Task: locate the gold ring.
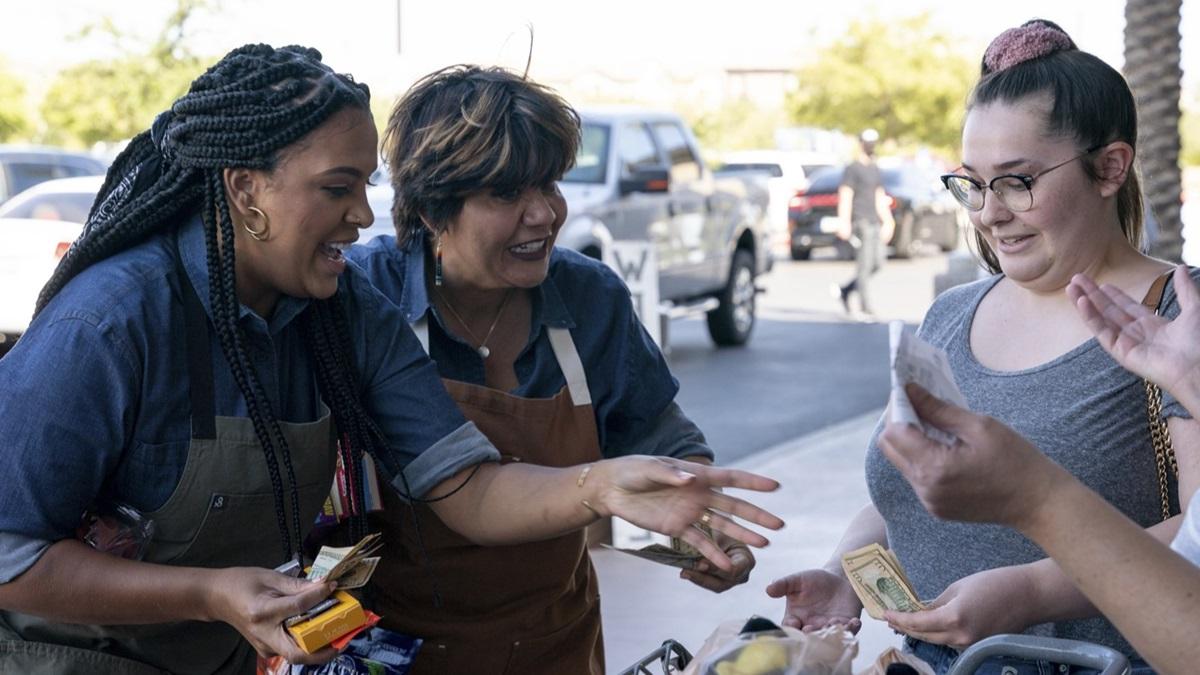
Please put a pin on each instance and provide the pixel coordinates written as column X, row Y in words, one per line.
column 706, row 518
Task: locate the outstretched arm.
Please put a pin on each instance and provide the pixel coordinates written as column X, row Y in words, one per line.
column 513, row 503
column 820, row 597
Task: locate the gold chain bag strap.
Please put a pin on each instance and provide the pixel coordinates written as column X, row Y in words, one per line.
column 1160, row 435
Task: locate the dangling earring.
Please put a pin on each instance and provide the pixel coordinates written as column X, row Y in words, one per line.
column 437, row 262
column 263, row 233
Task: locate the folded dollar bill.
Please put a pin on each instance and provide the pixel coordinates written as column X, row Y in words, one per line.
column 679, row 554
column 350, row 566
column 917, row 361
column 879, row 581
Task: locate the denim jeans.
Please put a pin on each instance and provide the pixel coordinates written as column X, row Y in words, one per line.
column 941, row 658
column 869, row 257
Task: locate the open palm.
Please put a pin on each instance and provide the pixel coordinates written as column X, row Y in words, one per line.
column 817, row 598
column 670, row 496
column 1163, row 351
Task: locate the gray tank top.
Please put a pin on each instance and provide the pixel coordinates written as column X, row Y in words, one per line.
column 1082, row 409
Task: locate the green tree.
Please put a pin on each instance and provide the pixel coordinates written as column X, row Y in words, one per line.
column 901, row 77
column 736, row 125
column 14, row 119
column 1189, row 131
column 111, row 100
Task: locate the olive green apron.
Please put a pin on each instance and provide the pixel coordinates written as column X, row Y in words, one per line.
column 221, row 514
column 531, row 608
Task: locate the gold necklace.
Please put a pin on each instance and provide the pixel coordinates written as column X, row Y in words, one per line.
column 482, row 349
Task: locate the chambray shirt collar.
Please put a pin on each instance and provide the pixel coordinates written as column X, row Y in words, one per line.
column 548, row 306
column 194, row 255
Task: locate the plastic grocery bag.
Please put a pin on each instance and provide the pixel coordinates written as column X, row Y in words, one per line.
column 760, row 647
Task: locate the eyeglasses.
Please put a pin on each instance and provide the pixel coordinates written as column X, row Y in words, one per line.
column 1014, row 190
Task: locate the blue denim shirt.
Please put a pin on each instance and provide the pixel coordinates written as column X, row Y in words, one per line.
column 631, row 386
column 94, row 398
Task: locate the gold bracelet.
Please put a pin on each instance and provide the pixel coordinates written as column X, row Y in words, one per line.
column 583, row 476
column 579, row 483
column 587, row 505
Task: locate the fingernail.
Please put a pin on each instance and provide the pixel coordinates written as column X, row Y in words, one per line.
column 687, row 475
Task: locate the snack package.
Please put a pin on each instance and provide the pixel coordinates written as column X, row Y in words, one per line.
column 119, row 530
column 373, row 652
column 329, row 620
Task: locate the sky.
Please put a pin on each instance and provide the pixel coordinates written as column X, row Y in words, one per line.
column 617, row 39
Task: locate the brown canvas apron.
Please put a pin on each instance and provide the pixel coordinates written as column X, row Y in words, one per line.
column 221, row 514
column 531, row 608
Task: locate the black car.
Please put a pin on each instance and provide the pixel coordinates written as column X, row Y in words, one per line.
column 23, row 167
column 925, row 213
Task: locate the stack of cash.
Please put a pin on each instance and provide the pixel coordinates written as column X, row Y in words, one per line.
column 880, row 581
column 351, row 566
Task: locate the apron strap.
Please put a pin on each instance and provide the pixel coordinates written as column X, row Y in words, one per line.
column 571, row 365
column 564, row 351
column 199, row 360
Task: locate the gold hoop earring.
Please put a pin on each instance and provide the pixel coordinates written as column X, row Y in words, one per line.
column 263, row 233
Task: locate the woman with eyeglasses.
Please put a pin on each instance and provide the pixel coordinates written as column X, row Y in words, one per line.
column 1048, row 179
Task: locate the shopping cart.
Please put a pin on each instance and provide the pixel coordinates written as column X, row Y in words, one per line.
column 671, row 657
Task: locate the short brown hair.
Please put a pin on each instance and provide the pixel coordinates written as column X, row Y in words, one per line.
column 465, row 129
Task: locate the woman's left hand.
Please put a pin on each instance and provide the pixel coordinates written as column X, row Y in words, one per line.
column 670, row 496
column 975, row 607
column 719, row 581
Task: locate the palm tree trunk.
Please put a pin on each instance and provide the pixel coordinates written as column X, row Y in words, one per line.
column 1152, row 56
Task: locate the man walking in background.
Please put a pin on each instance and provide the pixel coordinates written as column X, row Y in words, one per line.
column 864, row 214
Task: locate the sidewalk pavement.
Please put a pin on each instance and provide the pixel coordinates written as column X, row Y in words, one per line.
column 823, row 488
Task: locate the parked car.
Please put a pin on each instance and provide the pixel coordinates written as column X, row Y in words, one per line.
column 23, row 167
column 68, row 199
column 925, row 213
column 29, row 252
column 639, row 175
column 786, row 173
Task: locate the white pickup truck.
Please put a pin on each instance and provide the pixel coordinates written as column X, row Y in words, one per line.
column 639, row 176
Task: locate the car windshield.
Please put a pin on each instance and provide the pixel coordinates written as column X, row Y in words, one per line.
column 826, row 181
column 591, row 160
column 69, row 206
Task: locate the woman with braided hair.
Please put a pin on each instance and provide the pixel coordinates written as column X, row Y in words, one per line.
column 1048, row 180
column 195, row 356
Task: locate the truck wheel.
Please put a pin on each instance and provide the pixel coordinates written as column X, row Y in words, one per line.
column 730, row 323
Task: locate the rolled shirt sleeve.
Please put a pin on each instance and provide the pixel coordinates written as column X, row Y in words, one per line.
column 429, row 439
column 66, row 407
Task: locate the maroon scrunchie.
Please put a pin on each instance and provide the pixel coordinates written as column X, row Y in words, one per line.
column 1032, row 40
